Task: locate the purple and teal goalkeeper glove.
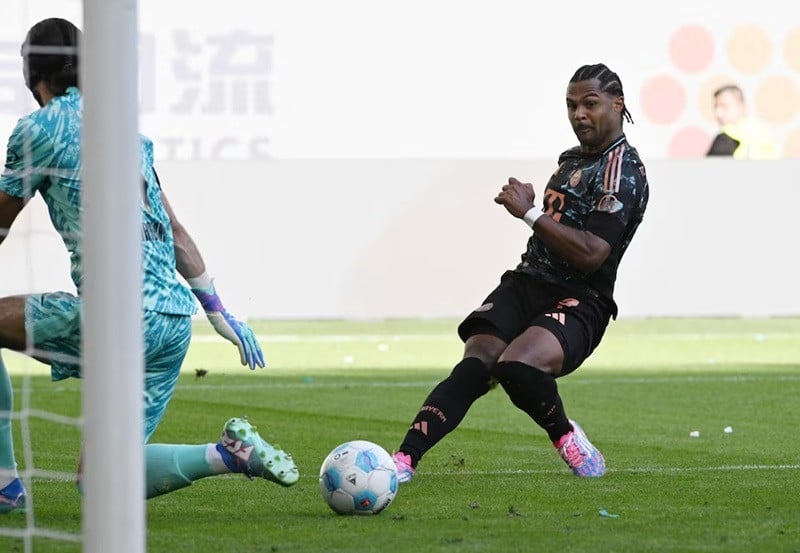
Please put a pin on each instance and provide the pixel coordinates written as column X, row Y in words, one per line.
column 229, row 327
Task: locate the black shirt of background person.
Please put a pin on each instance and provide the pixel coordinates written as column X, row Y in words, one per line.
column 723, row 145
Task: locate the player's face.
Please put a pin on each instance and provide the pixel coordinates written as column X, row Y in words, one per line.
column 728, row 108
column 596, row 117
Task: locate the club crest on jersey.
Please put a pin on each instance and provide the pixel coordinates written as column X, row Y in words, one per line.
column 575, row 178
column 609, row 203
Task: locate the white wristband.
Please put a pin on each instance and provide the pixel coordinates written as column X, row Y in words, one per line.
column 203, row 281
column 532, row 215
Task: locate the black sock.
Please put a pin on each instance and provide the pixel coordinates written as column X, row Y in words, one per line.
column 445, row 407
column 536, row 393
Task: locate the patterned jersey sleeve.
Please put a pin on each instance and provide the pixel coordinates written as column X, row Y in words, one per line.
column 28, row 158
column 618, row 195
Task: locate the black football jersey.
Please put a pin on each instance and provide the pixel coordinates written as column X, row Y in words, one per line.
column 605, row 194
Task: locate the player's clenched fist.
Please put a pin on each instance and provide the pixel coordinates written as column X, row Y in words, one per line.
column 517, row 197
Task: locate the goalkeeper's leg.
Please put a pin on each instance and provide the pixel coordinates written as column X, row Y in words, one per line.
column 240, row 449
column 170, row 467
column 12, row 493
column 12, row 335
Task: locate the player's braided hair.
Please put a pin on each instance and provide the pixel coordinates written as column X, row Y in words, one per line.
column 50, row 54
column 610, row 82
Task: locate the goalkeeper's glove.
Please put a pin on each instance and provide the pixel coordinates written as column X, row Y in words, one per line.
column 226, row 325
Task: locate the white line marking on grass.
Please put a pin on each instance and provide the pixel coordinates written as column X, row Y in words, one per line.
column 757, row 336
column 426, row 383
column 336, row 338
column 723, row 468
column 452, row 336
column 629, row 470
column 689, row 379
column 337, row 385
column 54, row 476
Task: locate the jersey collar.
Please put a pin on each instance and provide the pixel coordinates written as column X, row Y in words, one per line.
column 614, row 144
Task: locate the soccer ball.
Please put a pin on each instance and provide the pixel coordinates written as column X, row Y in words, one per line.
column 358, row 478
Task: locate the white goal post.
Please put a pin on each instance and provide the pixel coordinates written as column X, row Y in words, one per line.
column 113, row 453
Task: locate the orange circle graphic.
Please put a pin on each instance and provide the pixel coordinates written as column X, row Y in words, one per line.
column 690, row 142
column 663, row 99
column 791, row 146
column 777, row 99
column 791, row 49
column 691, row 48
column 749, row 49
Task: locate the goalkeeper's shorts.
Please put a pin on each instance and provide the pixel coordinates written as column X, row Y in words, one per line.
column 53, row 321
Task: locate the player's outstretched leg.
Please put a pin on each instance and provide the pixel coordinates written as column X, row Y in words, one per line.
column 243, row 450
column 578, row 452
column 171, row 467
column 441, row 412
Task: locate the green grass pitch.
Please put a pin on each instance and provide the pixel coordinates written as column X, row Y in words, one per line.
column 496, row 483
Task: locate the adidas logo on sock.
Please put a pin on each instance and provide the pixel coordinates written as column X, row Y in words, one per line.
column 421, row 427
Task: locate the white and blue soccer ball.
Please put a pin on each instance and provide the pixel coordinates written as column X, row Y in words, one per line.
column 358, row 478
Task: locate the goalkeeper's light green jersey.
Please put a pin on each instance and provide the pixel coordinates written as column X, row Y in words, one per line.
column 44, row 156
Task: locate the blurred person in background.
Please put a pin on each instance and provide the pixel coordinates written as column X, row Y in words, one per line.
column 740, row 136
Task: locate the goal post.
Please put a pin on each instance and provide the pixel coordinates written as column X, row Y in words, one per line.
column 113, row 350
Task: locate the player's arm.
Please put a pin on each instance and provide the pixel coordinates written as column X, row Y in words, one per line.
column 582, row 249
column 9, row 209
column 189, row 263
column 28, row 147
column 188, row 260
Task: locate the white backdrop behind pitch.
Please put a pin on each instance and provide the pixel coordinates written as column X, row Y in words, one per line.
column 446, row 79
column 423, row 238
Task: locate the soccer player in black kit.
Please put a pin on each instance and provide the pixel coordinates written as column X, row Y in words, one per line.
column 548, row 314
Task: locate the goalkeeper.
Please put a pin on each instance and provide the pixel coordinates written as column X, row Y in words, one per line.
column 44, row 156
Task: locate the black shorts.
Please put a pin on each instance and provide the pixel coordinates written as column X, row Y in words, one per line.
column 521, row 301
